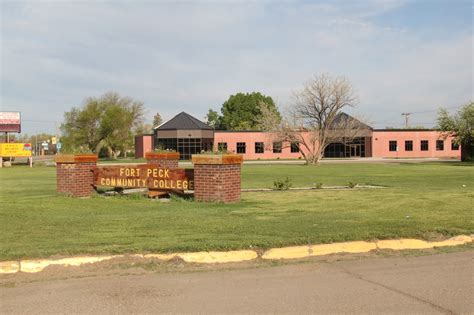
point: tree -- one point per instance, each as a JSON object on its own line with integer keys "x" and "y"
{"x": 461, "y": 126}
{"x": 143, "y": 128}
{"x": 213, "y": 119}
{"x": 104, "y": 122}
{"x": 270, "y": 118}
{"x": 316, "y": 117}
{"x": 243, "y": 111}
{"x": 35, "y": 140}
{"x": 157, "y": 120}
{"x": 26, "y": 138}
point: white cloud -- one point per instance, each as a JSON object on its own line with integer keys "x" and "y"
{"x": 192, "y": 56}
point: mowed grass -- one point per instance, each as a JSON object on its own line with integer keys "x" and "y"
{"x": 420, "y": 200}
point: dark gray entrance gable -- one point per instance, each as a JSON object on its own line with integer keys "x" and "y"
{"x": 184, "y": 134}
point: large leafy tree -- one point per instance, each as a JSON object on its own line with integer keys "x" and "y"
{"x": 105, "y": 122}
{"x": 461, "y": 126}
{"x": 213, "y": 119}
{"x": 243, "y": 111}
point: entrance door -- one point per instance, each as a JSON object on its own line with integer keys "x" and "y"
{"x": 355, "y": 150}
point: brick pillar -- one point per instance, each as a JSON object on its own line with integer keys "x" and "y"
{"x": 74, "y": 174}
{"x": 165, "y": 159}
{"x": 217, "y": 177}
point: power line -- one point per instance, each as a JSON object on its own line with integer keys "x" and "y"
{"x": 42, "y": 121}
{"x": 435, "y": 110}
{"x": 429, "y": 111}
{"x": 407, "y": 115}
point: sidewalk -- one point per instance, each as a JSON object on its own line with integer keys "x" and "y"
{"x": 323, "y": 161}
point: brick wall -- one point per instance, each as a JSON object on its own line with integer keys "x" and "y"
{"x": 164, "y": 163}
{"x": 75, "y": 179}
{"x": 143, "y": 143}
{"x": 166, "y": 160}
{"x": 217, "y": 182}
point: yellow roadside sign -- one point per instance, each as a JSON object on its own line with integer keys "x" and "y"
{"x": 15, "y": 149}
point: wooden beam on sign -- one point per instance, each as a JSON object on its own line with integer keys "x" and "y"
{"x": 156, "y": 193}
{"x": 151, "y": 176}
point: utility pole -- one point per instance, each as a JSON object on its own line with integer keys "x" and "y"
{"x": 407, "y": 115}
{"x": 57, "y": 136}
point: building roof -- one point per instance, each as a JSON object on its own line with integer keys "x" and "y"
{"x": 343, "y": 119}
{"x": 183, "y": 121}
{"x": 406, "y": 129}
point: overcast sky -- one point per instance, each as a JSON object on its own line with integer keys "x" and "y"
{"x": 190, "y": 56}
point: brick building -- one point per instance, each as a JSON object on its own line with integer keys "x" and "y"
{"x": 188, "y": 135}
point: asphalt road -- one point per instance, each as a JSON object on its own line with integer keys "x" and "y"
{"x": 441, "y": 283}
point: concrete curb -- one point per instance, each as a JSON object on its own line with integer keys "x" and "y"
{"x": 218, "y": 257}
{"x": 293, "y": 252}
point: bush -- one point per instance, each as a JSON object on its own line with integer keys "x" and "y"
{"x": 218, "y": 152}
{"x": 318, "y": 185}
{"x": 161, "y": 149}
{"x": 282, "y": 184}
{"x": 181, "y": 198}
{"x": 352, "y": 185}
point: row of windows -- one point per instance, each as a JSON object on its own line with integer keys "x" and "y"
{"x": 259, "y": 147}
{"x": 185, "y": 146}
{"x": 424, "y": 145}
{"x": 354, "y": 148}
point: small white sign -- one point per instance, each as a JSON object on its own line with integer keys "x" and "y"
{"x": 10, "y": 118}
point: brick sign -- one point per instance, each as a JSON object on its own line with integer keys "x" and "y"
{"x": 151, "y": 176}
{"x": 215, "y": 178}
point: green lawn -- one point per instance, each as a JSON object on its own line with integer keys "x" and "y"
{"x": 421, "y": 200}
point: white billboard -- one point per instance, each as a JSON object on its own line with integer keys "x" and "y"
{"x": 10, "y": 122}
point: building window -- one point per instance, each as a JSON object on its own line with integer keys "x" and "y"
{"x": 189, "y": 146}
{"x": 259, "y": 147}
{"x": 392, "y": 145}
{"x": 454, "y": 145}
{"x": 276, "y": 147}
{"x": 424, "y": 145}
{"x": 167, "y": 144}
{"x": 408, "y": 145}
{"x": 222, "y": 146}
{"x": 335, "y": 150}
{"x": 295, "y": 148}
{"x": 439, "y": 145}
{"x": 241, "y": 147}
